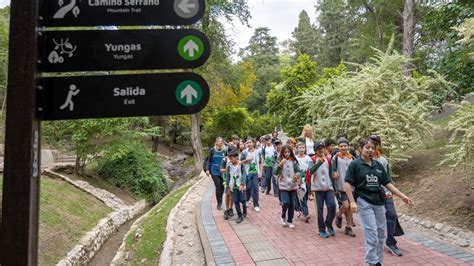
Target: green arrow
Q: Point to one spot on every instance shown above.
(190, 48)
(189, 93)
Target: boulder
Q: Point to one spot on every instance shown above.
(47, 158)
(469, 97)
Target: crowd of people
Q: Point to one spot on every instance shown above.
(338, 177)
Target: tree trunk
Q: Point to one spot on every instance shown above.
(408, 33)
(196, 140)
(158, 121)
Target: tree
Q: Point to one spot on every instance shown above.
(262, 53)
(378, 98)
(228, 121)
(283, 97)
(333, 22)
(307, 37)
(408, 32)
(439, 47)
(4, 27)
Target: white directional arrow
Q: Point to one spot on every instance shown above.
(190, 47)
(185, 6)
(189, 92)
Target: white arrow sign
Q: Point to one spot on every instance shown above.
(185, 6)
(190, 47)
(189, 92)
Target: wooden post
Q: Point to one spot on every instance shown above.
(20, 210)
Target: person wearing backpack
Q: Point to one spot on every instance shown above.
(237, 185)
(340, 162)
(214, 163)
(269, 156)
(321, 184)
(390, 211)
(366, 175)
(305, 163)
(250, 158)
(229, 212)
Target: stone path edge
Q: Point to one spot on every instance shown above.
(120, 256)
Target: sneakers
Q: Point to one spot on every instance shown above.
(245, 213)
(226, 215)
(323, 234)
(348, 231)
(394, 250)
(338, 221)
(306, 218)
(291, 226)
(219, 206)
(283, 222)
(331, 231)
(231, 212)
(257, 209)
(239, 219)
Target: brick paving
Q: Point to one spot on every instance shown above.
(261, 240)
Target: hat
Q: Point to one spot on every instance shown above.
(318, 143)
(278, 142)
(342, 140)
(376, 138)
(267, 137)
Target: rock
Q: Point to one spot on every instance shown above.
(439, 226)
(143, 261)
(428, 225)
(190, 244)
(185, 227)
(179, 252)
(180, 234)
(469, 97)
(47, 158)
(463, 243)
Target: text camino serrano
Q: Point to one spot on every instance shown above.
(124, 2)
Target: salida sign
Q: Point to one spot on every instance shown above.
(60, 13)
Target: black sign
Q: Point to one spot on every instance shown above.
(98, 50)
(60, 13)
(121, 96)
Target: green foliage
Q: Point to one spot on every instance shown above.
(129, 164)
(462, 126)
(4, 29)
(86, 135)
(264, 124)
(440, 47)
(228, 121)
(307, 37)
(153, 231)
(379, 98)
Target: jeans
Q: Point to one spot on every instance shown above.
(267, 178)
(304, 203)
(276, 189)
(287, 198)
(219, 183)
(391, 216)
(328, 198)
(239, 198)
(372, 221)
(252, 188)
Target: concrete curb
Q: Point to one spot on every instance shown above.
(206, 246)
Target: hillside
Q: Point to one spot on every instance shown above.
(441, 194)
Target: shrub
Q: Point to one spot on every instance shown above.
(130, 165)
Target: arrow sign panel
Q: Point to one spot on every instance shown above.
(98, 50)
(61, 13)
(122, 96)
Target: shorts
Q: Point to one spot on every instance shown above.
(342, 196)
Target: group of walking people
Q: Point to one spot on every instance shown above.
(331, 172)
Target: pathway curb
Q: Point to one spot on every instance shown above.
(206, 246)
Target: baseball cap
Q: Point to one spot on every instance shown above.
(318, 144)
(376, 138)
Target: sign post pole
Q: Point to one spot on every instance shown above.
(20, 203)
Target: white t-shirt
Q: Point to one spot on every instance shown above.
(304, 162)
(309, 146)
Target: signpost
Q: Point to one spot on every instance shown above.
(122, 95)
(62, 13)
(32, 98)
(122, 50)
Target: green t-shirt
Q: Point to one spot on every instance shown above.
(366, 180)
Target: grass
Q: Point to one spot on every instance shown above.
(66, 214)
(146, 250)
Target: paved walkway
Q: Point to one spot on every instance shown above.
(261, 240)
